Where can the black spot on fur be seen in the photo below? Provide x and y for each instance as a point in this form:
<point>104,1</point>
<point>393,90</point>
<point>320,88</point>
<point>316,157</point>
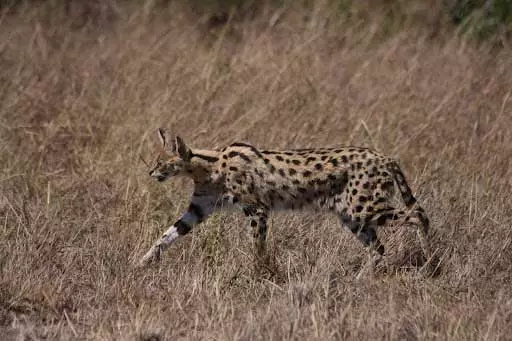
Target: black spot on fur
<point>306,174</point>
<point>359,208</point>
<point>249,210</point>
<point>387,185</point>
<point>292,171</point>
<point>279,158</point>
<point>334,162</point>
<point>281,172</point>
<point>321,181</point>
<point>296,162</point>
<point>310,159</point>
<point>234,169</point>
<point>336,189</point>
<point>319,166</point>
<point>223,165</point>
<point>380,200</point>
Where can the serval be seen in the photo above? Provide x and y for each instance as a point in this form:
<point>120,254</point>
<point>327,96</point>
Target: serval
<point>355,183</point>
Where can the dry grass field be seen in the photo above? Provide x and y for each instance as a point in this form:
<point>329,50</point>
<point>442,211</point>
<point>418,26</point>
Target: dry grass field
<point>82,94</point>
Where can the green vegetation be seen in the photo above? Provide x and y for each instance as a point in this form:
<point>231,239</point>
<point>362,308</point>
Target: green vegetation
<point>483,19</point>
<point>480,19</point>
<point>85,84</point>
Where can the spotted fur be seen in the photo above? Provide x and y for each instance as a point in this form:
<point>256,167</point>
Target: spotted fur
<point>355,183</point>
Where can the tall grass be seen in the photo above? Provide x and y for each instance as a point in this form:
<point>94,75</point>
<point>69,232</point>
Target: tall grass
<point>81,96</point>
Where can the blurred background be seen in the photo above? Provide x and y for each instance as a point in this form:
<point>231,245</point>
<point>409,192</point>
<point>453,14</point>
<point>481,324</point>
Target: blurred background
<point>85,84</point>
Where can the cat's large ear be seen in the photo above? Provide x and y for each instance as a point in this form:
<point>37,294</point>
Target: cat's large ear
<point>162,137</point>
<point>182,149</point>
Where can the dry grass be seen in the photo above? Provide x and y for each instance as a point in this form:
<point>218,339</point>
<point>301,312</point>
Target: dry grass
<point>80,104</point>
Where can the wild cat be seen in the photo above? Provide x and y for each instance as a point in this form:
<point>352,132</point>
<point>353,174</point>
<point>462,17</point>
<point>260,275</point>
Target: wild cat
<point>354,183</point>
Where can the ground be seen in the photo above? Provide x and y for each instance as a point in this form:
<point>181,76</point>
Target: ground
<point>80,103</point>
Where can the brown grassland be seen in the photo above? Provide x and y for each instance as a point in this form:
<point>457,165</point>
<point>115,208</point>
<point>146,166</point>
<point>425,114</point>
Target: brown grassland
<point>81,95</point>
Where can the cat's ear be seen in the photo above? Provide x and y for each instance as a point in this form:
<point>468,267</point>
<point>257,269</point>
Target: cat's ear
<point>181,148</point>
<point>162,135</point>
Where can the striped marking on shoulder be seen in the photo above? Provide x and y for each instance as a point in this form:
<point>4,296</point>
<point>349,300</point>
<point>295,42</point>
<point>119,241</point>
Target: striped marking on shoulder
<point>241,155</point>
<point>246,145</point>
<point>208,158</point>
